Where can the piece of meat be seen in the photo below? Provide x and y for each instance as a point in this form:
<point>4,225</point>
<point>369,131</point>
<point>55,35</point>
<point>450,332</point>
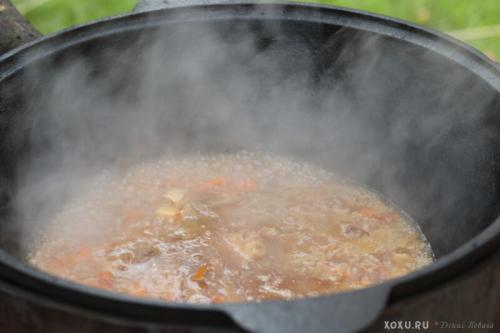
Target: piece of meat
<point>249,245</point>
<point>139,252</point>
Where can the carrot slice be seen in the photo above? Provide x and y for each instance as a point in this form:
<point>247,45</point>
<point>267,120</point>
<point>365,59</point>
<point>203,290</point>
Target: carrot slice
<point>237,186</point>
<point>371,213</point>
<point>217,299</point>
<point>106,279</point>
<point>392,217</point>
<point>67,260</point>
<point>211,183</point>
<point>167,296</point>
<point>246,185</point>
<point>200,273</point>
<point>140,292</point>
<point>136,289</point>
<point>84,253</point>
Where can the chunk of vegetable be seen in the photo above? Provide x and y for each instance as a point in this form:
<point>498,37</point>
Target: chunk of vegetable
<point>200,273</point>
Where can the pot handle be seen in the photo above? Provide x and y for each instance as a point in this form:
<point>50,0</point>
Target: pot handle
<point>14,29</point>
<point>345,312</point>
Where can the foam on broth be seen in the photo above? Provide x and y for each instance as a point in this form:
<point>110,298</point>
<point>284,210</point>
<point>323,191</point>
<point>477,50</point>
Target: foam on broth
<point>228,228</point>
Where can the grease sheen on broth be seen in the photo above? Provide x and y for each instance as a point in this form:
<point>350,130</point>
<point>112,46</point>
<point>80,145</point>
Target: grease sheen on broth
<point>228,228</point>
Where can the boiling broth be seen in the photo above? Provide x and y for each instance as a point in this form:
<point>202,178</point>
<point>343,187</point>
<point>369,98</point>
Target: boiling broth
<point>228,228</point>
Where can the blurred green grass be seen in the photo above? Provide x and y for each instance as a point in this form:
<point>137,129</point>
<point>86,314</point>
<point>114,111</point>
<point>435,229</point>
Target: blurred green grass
<point>460,18</point>
<point>49,16</point>
<point>475,22</point>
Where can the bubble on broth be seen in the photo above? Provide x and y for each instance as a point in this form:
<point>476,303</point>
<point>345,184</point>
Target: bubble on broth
<point>228,228</point>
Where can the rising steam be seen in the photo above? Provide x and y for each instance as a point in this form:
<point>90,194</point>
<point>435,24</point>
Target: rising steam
<point>365,106</point>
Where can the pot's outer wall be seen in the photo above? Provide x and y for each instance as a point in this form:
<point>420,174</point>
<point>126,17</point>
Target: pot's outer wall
<point>38,313</point>
<point>21,313</point>
<point>470,299</point>
<point>473,297</point>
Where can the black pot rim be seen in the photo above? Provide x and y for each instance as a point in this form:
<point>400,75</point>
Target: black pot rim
<point>21,276</point>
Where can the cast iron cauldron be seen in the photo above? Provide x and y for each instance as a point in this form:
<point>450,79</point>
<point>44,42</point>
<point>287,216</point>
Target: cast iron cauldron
<point>446,176</point>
